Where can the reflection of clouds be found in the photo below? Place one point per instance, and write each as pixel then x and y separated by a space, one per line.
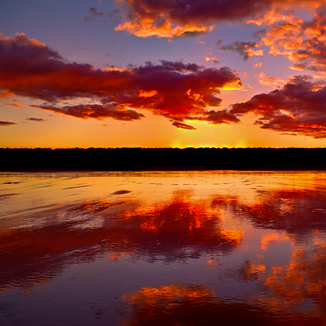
pixel 296 288
pixel 302 279
pixel 198 305
pixel 171 231
pixel 295 211
pixel 271 239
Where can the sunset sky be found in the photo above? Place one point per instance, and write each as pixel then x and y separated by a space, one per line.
pixel 162 73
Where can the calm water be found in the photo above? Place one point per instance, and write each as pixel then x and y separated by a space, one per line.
pixel 163 248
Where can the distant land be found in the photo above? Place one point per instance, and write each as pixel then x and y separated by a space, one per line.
pixel 161 159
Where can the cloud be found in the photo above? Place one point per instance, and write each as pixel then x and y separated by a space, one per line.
pixel 173 18
pixel 6 94
pixel 268 81
pixel 302 42
pixel 245 49
pixel 183 125
pixel 214 59
pixel 35 119
pixel 92 111
pixel 299 107
pixel 175 90
pixel 217 117
pixel 93 14
pixel 14 103
pixel 7 123
pixel 257 65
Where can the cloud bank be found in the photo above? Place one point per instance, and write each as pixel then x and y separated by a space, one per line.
pixel 299 107
pixel 175 18
pixel 176 90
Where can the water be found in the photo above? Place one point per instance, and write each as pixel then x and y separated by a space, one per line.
pixel 163 248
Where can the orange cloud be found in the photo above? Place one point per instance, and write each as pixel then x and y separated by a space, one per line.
pixel 175 90
pixel 302 42
pixel 14 103
pixel 173 18
pixel 214 59
pixel 6 94
pixel 268 81
pixel 146 28
pixel 257 65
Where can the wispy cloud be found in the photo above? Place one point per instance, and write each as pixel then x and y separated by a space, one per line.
pixel 269 81
pixel 35 119
pixel 93 13
pixel 14 103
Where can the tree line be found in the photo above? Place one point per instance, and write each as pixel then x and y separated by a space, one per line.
pixel 143 159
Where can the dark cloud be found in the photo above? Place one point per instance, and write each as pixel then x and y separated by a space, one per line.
pixel 35 119
pixel 92 111
pixel 175 90
pixel 245 49
pixel 93 14
pixel 173 18
pixel 6 123
pixel 223 116
pixel 298 107
pixel 183 125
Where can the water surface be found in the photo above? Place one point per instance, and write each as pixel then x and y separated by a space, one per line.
pixel 163 248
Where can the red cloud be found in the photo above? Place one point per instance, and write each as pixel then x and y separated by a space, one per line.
pixel 172 89
pixel 174 18
pixel 299 107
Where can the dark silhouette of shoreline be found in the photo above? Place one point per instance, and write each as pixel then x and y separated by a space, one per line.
pixel 163 159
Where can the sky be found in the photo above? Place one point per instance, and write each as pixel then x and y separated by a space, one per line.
pixel 162 73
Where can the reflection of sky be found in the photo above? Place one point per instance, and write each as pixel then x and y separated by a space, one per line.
pixel 154 247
